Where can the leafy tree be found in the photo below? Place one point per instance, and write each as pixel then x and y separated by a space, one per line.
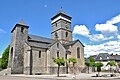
pixel 111 63
pixel 0 64
pixel 60 62
pixel 4 59
pixel 73 60
pixel 92 63
pixel 88 65
pixel 99 65
pixel 91 59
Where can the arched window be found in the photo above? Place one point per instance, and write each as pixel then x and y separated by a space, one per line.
pixel 56 24
pixel 57 53
pixel 22 29
pixel 11 53
pixel 39 54
pixel 56 35
pixel 57 45
pixel 66 34
pixel 78 52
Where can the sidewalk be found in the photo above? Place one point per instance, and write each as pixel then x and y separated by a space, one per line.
pixel 71 76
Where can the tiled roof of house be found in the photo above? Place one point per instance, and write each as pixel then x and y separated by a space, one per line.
pixel 106 57
pixel 116 57
pixel 103 56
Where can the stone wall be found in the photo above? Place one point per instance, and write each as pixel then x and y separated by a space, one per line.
pixel 39 64
pixel 54 70
pixel 16 57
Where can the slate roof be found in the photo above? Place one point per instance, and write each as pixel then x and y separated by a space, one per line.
pixel 39 45
pixel 42 42
pixel 21 23
pixel 104 57
pixel 39 39
pixel 62 13
pixel 116 57
pixel 72 43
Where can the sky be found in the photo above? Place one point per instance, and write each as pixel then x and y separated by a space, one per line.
pixel 96 23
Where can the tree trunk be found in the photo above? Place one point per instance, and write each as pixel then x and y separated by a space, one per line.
pixel 88 69
pixel 74 68
pixel 58 70
pixel 66 65
pixel 98 74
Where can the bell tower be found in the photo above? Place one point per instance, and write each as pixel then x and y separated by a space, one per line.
pixel 61 27
pixel 19 37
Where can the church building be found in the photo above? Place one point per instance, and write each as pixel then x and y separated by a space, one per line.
pixel 33 54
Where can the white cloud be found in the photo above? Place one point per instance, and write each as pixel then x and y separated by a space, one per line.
pixel 2 31
pixel 118 36
pixel 108 47
pixel 106 28
pixel 105 31
pixel 96 37
pixel 81 30
pixel 114 20
pixel 99 37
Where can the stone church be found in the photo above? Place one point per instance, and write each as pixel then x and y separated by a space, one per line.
pixel 32 54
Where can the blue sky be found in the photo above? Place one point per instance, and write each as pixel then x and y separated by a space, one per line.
pixel 96 23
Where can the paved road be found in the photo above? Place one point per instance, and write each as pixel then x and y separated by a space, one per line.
pixel 39 78
pixel 81 76
pixel 20 78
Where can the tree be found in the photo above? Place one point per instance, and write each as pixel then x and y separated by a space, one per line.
pixel 111 63
pixel 91 59
pixel 4 59
pixel 73 60
pixel 92 63
pixel 88 65
pixel 0 62
pixel 98 65
pixel 60 62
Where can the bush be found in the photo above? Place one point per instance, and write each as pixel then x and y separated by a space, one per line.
pixel 4 59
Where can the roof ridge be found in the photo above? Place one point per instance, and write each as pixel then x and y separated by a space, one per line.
pixel 40 36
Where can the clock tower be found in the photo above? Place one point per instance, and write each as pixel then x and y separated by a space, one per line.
pixel 61 27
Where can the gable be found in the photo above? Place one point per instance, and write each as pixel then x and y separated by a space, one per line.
pixel 78 43
pixel 71 43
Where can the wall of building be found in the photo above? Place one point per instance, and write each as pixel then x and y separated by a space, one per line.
pixel 80 61
pixel 61 27
pixel 27 64
pixel 17 43
pixel 53 54
pixel 39 64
